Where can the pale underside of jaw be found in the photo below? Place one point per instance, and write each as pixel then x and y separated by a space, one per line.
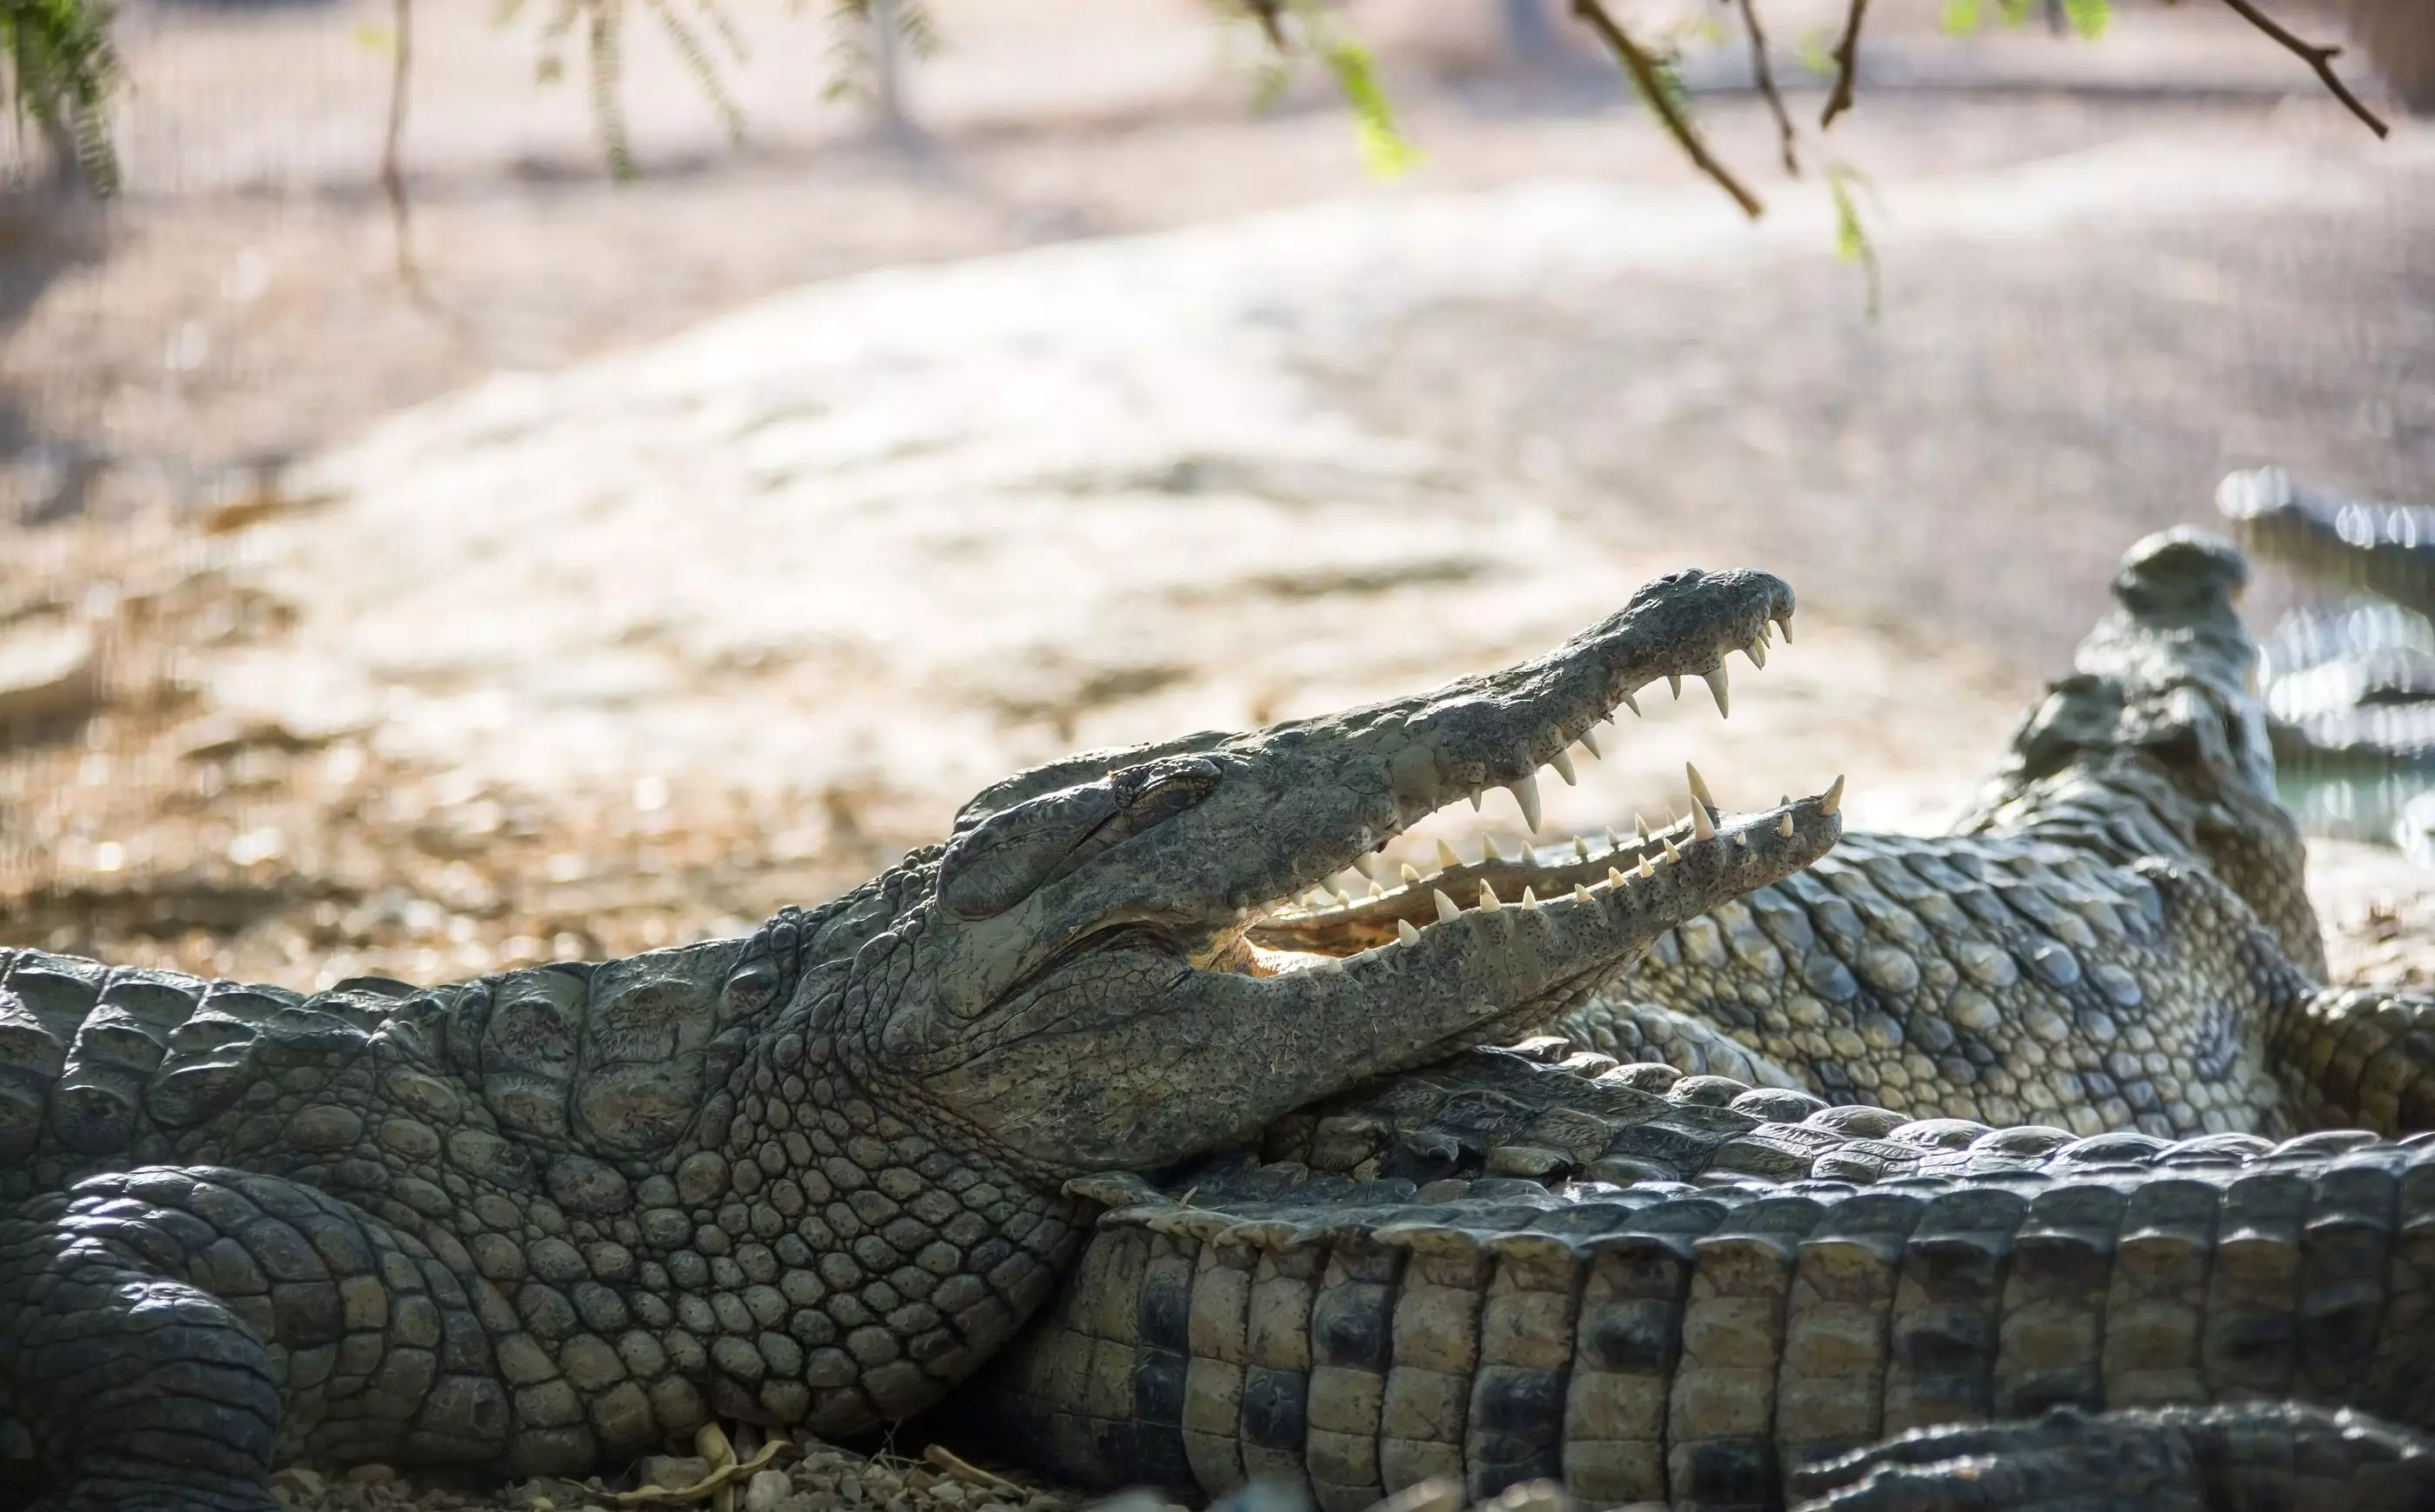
pixel 1364 908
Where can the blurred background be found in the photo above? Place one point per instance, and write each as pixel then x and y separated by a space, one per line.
pixel 649 550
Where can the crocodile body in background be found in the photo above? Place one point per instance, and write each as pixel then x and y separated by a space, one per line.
pixel 1811 1280
pixel 814 1177
pixel 2118 937
pixel 2351 687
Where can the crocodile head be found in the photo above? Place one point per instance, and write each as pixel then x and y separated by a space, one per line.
pixel 2387 550
pixel 1078 978
pixel 2157 743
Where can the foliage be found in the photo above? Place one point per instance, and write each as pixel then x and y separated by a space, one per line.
pixel 600 28
pixel 1298 29
pixel 58 69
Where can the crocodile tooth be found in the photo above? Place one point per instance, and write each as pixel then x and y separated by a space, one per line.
pixel 1614 878
pixel 1474 800
pixel 1445 905
pixel 1639 829
pixel 1488 904
pixel 1581 894
pixel 1343 899
pixel 1647 867
pixel 1833 801
pixel 1784 623
pixel 1756 651
pixel 1672 855
pixel 1589 743
pixel 1562 763
pixel 1581 849
pixel 1367 863
pixel 1613 841
pixel 1529 899
pixel 1741 837
pixel 1411 876
pixel 1447 860
pixel 1702 827
pixel 1784 826
pixel 1631 703
pixel 1521 855
pixel 1674 682
pixel 1716 682
pixel 1405 931
pixel 1377 891
pixel 1526 793
pixel 1698 785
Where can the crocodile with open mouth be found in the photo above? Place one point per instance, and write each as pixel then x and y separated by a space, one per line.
pixel 2117 936
pixel 813 1177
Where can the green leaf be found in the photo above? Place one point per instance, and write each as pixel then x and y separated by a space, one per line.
pixel 2089 17
pixel 1851 244
pixel 374 38
pixel 1385 150
pixel 1815 53
pixel 1962 18
pixel 2015 12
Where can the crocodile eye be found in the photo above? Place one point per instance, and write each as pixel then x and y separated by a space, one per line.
pixel 1012 854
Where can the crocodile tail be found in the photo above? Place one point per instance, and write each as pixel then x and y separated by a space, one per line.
pixel 2361 1057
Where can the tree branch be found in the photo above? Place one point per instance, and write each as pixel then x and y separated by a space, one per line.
pixel 1765 73
pixel 2320 58
pixel 1847 64
pixel 1643 73
pixel 392 168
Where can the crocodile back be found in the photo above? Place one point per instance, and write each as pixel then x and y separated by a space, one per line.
pixel 102 1067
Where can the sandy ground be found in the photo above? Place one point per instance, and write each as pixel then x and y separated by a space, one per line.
pixel 716 536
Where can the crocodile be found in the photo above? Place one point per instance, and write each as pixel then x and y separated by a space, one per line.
pixel 812 1178
pixel 2116 937
pixel 1723 1296
pixel 2351 687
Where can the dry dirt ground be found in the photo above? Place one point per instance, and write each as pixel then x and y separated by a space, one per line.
pixel 714 537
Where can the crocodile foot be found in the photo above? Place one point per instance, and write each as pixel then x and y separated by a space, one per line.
pixel 2180 1459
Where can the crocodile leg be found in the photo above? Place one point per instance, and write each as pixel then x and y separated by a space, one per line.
pixel 174 1330
pixel 2270 1453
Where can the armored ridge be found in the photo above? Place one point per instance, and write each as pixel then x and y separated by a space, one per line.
pixel 2118 936
pixel 811 1178
pixel 1781 1284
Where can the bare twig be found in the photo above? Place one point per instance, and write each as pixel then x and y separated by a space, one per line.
pixel 1643 73
pixel 2320 58
pixel 393 165
pixel 1765 73
pixel 1847 64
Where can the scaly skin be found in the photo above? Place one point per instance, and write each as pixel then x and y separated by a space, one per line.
pixel 811 1178
pixel 1781 1284
pixel 2118 938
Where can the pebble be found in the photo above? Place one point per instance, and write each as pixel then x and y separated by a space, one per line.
pixel 769 1491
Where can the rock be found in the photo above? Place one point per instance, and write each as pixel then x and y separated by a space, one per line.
pixel 371 1475
pixel 301 1484
pixel 46 671
pixel 767 1491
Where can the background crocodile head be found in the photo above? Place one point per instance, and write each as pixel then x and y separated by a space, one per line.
pixel 1071 979
pixel 2157 743
pixel 2387 550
